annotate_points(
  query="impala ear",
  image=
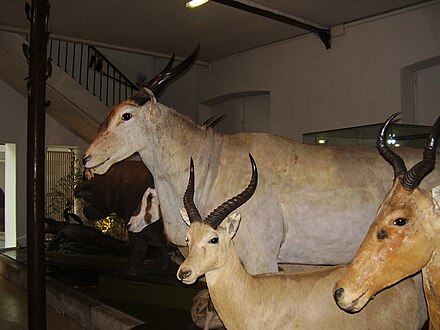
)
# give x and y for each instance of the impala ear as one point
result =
(436, 197)
(185, 216)
(231, 223)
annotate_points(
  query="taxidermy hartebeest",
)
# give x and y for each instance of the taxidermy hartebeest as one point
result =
(404, 237)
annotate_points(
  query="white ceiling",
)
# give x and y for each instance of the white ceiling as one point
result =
(165, 26)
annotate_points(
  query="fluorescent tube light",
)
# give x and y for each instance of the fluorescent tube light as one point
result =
(195, 3)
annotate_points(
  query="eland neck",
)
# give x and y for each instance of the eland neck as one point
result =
(172, 139)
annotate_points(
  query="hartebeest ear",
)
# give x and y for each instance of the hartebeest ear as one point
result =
(185, 216)
(231, 223)
(436, 197)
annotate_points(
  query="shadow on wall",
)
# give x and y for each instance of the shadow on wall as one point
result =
(245, 111)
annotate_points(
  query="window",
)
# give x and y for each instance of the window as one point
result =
(61, 176)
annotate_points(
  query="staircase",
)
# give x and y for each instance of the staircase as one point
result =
(82, 85)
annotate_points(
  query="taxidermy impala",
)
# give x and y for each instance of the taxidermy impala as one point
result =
(311, 194)
(403, 239)
(277, 301)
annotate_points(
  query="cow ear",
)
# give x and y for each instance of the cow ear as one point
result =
(231, 223)
(153, 205)
(436, 197)
(185, 216)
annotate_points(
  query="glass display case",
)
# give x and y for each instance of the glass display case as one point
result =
(399, 135)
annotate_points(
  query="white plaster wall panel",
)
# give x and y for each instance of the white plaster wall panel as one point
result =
(356, 82)
(427, 95)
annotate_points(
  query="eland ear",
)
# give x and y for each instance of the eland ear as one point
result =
(185, 216)
(231, 223)
(436, 197)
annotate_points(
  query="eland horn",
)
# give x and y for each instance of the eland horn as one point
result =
(158, 83)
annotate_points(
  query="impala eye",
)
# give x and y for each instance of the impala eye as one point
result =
(400, 222)
(213, 240)
(126, 116)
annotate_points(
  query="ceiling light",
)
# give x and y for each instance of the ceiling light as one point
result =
(195, 3)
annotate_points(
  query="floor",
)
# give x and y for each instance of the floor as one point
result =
(13, 311)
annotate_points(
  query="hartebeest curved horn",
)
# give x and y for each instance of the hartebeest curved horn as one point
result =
(188, 197)
(158, 83)
(220, 213)
(412, 178)
(395, 160)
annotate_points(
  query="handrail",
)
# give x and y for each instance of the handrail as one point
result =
(91, 69)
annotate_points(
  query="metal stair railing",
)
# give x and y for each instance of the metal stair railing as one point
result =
(91, 69)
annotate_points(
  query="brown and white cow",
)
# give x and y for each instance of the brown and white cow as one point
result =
(127, 189)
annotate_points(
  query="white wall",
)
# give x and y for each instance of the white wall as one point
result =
(427, 95)
(356, 82)
(13, 129)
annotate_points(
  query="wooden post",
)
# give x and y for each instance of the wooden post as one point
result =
(36, 88)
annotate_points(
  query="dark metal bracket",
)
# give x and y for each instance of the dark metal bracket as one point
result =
(323, 34)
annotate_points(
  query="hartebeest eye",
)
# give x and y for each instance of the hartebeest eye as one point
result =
(213, 240)
(126, 116)
(400, 222)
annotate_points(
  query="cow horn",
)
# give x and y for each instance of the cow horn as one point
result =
(220, 213)
(412, 178)
(158, 83)
(395, 160)
(188, 197)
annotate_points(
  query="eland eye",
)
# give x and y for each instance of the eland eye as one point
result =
(126, 116)
(400, 222)
(213, 240)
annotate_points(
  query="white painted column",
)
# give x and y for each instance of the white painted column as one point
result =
(10, 196)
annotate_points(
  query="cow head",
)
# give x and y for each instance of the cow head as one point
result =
(403, 236)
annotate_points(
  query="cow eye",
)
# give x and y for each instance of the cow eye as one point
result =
(213, 240)
(400, 222)
(126, 116)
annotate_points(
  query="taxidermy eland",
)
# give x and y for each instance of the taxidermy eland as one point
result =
(277, 301)
(403, 239)
(312, 194)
